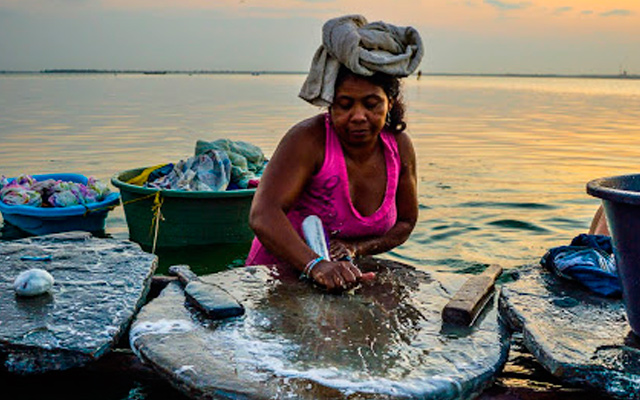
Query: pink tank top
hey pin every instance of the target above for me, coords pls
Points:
(327, 196)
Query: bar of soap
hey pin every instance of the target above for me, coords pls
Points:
(33, 282)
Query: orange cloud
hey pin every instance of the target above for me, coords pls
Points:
(513, 17)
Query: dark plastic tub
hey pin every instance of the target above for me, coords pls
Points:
(45, 220)
(621, 200)
(188, 218)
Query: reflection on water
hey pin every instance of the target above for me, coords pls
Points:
(502, 162)
(370, 337)
(203, 259)
(385, 339)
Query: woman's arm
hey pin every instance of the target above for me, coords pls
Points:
(289, 169)
(599, 223)
(406, 204)
(298, 156)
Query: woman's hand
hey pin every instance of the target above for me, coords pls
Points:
(340, 250)
(340, 275)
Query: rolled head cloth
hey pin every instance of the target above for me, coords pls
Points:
(365, 48)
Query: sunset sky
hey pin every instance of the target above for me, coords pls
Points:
(460, 36)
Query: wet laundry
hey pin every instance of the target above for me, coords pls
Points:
(216, 166)
(210, 171)
(247, 160)
(589, 260)
(26, 190)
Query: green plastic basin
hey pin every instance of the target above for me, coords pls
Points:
(188, 218)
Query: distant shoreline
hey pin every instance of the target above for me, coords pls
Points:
(588, 76)
(256, 73)
(152, 72)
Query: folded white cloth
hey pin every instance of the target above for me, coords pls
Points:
(364, 48)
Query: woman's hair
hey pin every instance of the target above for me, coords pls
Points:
(391, 86)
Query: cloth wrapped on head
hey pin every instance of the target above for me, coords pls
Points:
(365, 48)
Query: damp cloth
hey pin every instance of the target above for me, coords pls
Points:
(26, 190)
(143, 177)
(208, 171)
(365, 48)
(588, 260)
(219, 165)
(247, 160)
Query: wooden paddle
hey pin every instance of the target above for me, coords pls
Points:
(212, 300)
(467, 303)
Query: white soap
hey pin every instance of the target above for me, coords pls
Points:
(33, 282)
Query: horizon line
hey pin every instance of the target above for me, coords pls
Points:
(623, 75)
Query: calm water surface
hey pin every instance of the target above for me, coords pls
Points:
(502, 162)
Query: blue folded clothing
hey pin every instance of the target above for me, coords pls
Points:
(588, 260)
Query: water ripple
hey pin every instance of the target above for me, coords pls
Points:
(502, 205)
(516, 224)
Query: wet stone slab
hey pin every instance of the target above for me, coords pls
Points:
(99, 286)
(385, 340)
(581, 338)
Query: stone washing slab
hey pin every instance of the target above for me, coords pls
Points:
(99, 286)
(581, 338)
(295, 341)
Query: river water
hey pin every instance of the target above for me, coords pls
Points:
(502, 161)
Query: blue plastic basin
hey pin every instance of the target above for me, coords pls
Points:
(45, 220)
(621, 200)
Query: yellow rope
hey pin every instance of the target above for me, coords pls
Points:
(155, 222)
(111, 207)
(155, 209)
(141, 198)
(88, 211)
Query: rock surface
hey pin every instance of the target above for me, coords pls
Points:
(581, 338)
(295, 341)
(99, 286)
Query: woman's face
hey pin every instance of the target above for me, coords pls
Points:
(359, 110)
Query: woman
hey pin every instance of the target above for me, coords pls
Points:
(353, 166)
(599, 223)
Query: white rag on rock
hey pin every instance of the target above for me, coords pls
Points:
(364, 48)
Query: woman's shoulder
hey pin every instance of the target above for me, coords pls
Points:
(402, 138)
(304, 141)
(405, 147)
(309, 128)
(306, 135)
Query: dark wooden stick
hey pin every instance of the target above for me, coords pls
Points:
(211, 299)
(467, 303)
